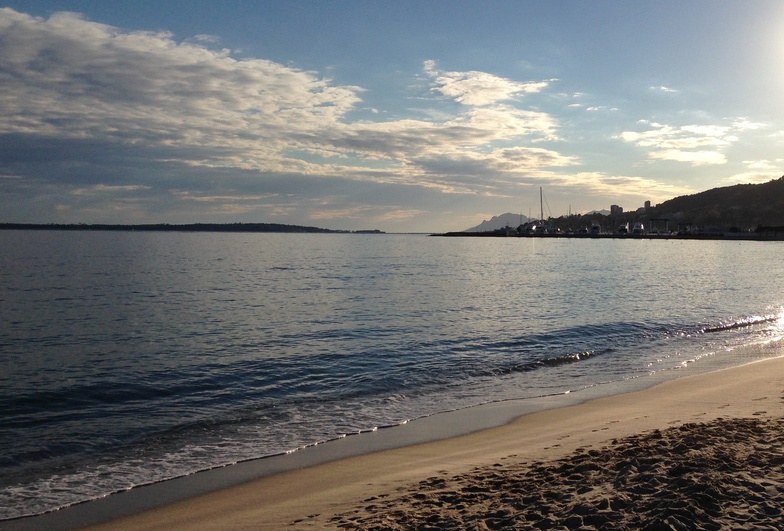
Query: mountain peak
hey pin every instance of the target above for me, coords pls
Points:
(499, 222)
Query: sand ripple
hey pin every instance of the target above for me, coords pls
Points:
(716, 475)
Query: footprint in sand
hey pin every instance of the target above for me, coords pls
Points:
(606, 428)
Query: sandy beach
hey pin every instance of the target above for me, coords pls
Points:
(700, 452)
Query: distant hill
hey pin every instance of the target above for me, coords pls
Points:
(499, 222)
(515, 220)
(743, 206)
(165, 227)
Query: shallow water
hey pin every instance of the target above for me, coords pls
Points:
(128, 358)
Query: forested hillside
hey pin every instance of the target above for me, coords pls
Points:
(743, 206)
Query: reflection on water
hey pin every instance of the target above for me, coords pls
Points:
(133, 357)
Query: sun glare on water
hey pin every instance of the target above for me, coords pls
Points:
(779, 324)
(776, 331)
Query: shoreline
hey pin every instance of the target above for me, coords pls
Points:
(431, 428)
(767, 236)
(312, 496)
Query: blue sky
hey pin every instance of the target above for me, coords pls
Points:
(402, 116)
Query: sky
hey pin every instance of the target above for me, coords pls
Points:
(407, 116)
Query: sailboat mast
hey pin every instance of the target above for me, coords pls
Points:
(541, 205)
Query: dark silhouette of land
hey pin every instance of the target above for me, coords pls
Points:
(743, 211)
(742, 207)
(193, 227)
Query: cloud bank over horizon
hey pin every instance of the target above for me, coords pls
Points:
(108, 124)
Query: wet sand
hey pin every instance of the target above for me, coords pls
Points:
(700, 452)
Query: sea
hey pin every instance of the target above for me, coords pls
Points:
(130, 358)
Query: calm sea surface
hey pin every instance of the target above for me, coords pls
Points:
(128, 358)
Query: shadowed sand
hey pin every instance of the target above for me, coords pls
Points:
(701, 452)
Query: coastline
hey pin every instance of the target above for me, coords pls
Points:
(315, 496)
(761, 236)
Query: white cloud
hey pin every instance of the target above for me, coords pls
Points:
(185, 123)
(69, 78)
(695, 158)
(743, 124)
(479, 88)
(776, 165)
(695, 144)
(534, 157)
(627, 186)
(502, 162)
(109, 189)
(190, 196)
(207, 38)
(706, 130)
(759, 171)
(752, 178)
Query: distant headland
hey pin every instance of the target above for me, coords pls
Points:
(190, 227)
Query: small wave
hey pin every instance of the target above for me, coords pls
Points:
(741, 323)
(555, 361)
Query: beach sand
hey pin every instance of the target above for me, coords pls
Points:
(700, 452)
